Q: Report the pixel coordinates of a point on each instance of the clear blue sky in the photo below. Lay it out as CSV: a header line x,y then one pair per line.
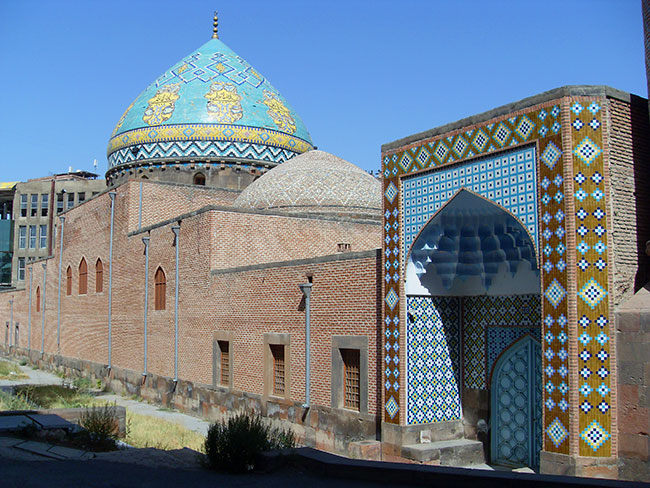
x,y
360,73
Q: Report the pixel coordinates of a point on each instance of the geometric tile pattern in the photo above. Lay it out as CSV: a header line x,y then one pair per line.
x,y
433,371
490,325
203,149
540,124
500,338
555,365
508,179
593,335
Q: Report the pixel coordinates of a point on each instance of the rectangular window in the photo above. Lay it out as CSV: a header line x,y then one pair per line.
x,y
224,349
351,378
32,237
59,202
34,205
43,243
22,237
21,269
23,205
45,203
277,351
70,200
81,197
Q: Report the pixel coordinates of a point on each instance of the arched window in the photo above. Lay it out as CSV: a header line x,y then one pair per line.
x,y
68,281
99,276
160,289
83,277
38,298
199,179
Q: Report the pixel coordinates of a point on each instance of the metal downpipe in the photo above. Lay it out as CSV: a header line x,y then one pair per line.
x,y
43,309
306,291
176,230
111,194
58,313
29,312
145,241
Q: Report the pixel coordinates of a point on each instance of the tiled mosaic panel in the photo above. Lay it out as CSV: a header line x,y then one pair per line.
x,y
482,312
553,247
433,371
540,124
508,179
391,273
592,279
499,338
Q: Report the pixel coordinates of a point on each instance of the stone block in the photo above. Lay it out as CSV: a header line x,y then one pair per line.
x,y
634,446
628,321
644,320
369,450
630,372
634,469
635,420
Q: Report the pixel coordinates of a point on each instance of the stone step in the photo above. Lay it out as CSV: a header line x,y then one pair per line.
x,y
455,452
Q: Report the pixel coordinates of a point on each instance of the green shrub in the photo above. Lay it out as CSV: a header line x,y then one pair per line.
x,y
101,423
233,445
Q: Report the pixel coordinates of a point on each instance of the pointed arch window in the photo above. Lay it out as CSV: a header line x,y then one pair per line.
x,y
38,298
68,281
99,276
160,281
83,277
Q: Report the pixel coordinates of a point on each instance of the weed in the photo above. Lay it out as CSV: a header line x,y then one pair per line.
x,y
15,402
234,445
10,371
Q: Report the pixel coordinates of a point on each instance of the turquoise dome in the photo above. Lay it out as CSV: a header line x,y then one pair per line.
x,y
211,105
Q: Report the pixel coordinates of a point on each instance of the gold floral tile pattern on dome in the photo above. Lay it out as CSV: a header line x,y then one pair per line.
x,y
592,274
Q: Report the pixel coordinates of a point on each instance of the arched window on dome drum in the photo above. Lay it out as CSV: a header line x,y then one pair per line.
x,y
68,281
83,277
99,276
160,283
38,298
199,179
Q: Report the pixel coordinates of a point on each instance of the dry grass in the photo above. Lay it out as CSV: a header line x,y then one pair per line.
x,y
11,371
145,431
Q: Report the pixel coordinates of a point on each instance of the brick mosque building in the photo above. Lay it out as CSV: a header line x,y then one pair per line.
x,y
483,301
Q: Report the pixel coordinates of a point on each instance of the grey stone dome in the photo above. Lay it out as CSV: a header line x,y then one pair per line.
x,y
315,182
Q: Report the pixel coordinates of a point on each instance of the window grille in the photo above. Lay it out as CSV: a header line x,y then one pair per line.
x,y
44,204
99,276
160,289
277,350
351,378
83,277
32,237
224,347
43,243
34,205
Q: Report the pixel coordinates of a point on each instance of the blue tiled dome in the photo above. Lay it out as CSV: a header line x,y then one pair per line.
x,y
210,105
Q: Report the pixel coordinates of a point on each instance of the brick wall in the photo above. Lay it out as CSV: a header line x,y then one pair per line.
x,y
629,156
345,299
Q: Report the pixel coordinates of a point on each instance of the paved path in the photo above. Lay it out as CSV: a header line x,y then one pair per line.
x,y
36,376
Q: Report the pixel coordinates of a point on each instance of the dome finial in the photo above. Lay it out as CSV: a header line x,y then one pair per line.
x,y
215,26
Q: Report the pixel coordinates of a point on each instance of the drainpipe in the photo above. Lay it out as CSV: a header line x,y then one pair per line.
x,y
11,322
145,241
176,230
29,313
305,288
111,194
58,313
43,309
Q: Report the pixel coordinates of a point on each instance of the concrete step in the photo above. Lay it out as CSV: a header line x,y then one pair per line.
x,y
455,452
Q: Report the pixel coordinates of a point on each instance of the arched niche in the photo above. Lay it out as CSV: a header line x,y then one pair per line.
x,y
472,246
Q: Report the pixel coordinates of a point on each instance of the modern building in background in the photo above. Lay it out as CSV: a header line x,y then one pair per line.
x,y
6,231
36,204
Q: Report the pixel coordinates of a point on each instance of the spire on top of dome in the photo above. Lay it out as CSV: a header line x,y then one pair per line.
x,y
215,26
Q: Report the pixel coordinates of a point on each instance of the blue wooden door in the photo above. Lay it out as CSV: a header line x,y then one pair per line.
x,y
516,417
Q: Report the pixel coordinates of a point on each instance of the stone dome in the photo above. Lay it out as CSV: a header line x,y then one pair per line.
x,y
315,182
210,106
